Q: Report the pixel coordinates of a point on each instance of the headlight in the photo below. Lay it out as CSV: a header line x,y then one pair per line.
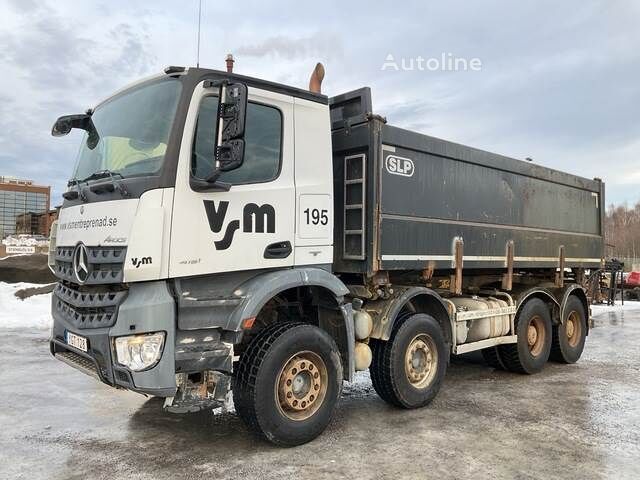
x,y
139,352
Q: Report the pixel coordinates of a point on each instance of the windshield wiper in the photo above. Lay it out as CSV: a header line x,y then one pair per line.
x,y
73,194
101,174
114,185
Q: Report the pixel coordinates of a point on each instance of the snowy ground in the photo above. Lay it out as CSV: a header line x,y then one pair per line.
x,y
16,255
34,311
628,305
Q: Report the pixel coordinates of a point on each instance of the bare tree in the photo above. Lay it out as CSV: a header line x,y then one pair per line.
x,y
622,231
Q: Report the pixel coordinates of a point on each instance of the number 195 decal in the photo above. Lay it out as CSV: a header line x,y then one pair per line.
x,y
314,216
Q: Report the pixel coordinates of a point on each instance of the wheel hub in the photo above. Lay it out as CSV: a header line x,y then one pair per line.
x,y
573,329
302,385
570,328
536,336
420,361
532,335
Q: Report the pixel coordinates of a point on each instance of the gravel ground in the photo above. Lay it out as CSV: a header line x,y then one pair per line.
x,y
577,421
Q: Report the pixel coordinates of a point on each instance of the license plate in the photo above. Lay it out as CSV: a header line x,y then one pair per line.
x,y
77,341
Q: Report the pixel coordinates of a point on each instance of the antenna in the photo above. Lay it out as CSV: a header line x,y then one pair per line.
x,y
199,19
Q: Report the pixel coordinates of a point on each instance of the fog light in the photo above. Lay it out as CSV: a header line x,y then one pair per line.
x,y
139,352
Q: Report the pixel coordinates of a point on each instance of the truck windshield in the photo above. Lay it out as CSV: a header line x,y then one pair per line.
x,y
133,129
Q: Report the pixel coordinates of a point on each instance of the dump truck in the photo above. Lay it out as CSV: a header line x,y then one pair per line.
x,y
226,237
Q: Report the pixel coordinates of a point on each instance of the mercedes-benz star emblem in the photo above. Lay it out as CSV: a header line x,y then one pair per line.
x,y
81,263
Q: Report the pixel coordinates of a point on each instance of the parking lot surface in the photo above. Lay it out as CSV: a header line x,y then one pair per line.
x,y
570,421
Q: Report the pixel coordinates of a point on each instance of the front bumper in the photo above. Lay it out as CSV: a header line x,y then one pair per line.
x,y
148,307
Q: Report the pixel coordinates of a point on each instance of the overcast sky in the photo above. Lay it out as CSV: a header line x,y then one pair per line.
x,y
559,81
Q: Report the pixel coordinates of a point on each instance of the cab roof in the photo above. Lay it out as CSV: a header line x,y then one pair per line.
x,y
202,73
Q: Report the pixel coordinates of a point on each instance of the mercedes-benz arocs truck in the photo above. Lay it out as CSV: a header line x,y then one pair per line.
x,y
225,235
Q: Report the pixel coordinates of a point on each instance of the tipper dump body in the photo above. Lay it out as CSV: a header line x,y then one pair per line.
x,y
404,200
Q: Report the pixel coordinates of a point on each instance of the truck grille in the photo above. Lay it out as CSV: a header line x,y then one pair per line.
x,y
105,264
89,307
94,304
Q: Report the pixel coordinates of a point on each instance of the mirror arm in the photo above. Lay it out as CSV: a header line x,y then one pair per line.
x,y
214,83
200,185
213,178
221,109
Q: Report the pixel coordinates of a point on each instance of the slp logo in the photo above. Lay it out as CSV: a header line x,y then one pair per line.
x,y
255,218
399,166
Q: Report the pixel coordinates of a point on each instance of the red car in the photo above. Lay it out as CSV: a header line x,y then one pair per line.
x,y
632,280
632,286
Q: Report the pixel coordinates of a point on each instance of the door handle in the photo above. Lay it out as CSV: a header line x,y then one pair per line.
x,y
278,250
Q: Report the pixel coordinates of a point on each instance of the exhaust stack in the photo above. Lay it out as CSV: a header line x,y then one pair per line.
x,y
229,61
315,82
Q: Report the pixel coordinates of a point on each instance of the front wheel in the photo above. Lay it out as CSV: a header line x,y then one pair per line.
x,y
288,382
407,370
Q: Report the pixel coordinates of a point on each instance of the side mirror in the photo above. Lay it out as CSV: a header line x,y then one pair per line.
x,y
64,124
232,113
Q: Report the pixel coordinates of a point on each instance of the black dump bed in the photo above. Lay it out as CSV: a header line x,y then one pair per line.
x,y
404,200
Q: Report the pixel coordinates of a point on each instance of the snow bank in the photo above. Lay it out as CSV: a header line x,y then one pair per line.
x,y
16,255
618,307
32,312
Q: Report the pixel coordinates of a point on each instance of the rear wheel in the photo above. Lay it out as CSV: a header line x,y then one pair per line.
x,y
287,383
407,370
569,337
533,328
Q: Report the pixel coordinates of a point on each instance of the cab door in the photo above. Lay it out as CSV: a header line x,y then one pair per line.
x,y
251,226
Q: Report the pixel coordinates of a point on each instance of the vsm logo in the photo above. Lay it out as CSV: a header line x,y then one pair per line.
x,y
399,166
141,261
258,219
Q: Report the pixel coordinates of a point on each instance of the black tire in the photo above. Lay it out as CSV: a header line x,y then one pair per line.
x,y
569,337
389,374
260,373
491,355
521,357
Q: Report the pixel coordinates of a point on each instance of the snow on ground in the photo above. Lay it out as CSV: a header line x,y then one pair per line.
x,y
603,308
31,312
16,255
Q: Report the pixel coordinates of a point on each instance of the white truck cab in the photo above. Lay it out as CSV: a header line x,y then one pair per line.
x,y
148,202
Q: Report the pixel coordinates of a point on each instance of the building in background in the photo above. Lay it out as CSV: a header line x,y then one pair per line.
x,y
47,220
31,223
21,205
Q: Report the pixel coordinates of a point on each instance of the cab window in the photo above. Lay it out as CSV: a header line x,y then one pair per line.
x,y
263,141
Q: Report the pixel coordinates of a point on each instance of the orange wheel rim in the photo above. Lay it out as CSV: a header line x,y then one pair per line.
x,y
573,329
536,335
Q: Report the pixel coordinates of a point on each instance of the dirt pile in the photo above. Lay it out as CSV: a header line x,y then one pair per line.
x,y
31,291
26,268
